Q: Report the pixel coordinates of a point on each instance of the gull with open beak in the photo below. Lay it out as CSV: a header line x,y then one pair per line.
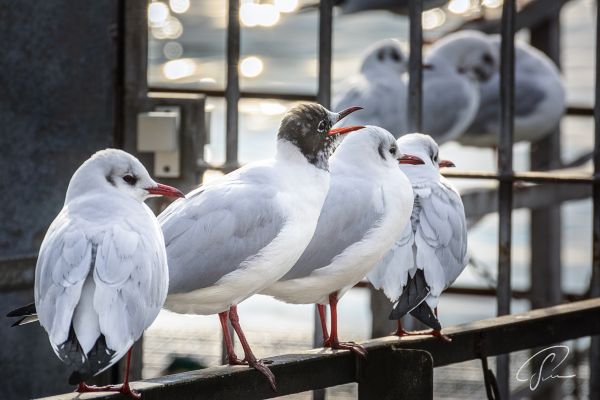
x,y
431,252
239,234
101,275
369,203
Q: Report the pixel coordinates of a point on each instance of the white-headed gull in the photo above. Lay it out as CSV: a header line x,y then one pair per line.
x,y
379,87
101,275
454,68
431,252
369,202
237,235
539,100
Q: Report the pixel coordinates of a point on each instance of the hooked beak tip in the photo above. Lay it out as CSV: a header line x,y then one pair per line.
x,y
446,164
409,159
165,190
344,113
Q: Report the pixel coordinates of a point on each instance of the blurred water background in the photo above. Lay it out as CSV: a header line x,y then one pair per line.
x,y
279,49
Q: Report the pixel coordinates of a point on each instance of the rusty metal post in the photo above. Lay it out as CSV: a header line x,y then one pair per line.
x,y
415,67
505,170
232,91
395,375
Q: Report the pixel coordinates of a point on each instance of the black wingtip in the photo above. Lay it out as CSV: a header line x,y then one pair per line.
x,y
424,314
24,311
413,294
18,322
77,377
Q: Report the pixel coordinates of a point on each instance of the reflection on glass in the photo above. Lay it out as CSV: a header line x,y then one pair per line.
x,y
433,18
177,69
179,6
158,12
251,67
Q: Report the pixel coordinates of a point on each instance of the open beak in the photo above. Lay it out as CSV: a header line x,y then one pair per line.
x,y
410,159
164,190
344,113
446,164
345,129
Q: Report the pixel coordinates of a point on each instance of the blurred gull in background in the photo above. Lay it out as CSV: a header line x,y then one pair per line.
x,y
539,100
379,88
454,68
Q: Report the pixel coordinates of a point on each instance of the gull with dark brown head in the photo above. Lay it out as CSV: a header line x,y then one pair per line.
x,y
237,235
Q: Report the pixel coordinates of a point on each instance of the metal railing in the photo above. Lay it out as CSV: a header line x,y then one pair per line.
x,y
394,369
532,13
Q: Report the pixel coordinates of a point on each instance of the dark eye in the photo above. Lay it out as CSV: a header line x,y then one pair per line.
x,y
321,127
393,150
488,59
435,158
130,179
395,56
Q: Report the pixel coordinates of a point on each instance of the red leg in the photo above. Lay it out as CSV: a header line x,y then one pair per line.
x,y
123,388
248,355
232,358
323,318
400,332
438,334
333,341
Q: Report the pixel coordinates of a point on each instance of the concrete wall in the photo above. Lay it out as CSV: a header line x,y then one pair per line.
x,y
60,96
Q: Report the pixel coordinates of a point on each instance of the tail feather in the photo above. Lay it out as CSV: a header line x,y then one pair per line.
x,y
25,320
27,310
424,314
414,294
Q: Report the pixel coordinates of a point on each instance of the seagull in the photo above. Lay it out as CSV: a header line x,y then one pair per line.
x,y
431,251
539,100
369,202
101,275
235,236
454,68
379,87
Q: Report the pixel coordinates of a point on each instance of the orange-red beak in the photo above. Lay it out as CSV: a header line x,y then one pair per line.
x,y
345,129
446,164
164,190
410,160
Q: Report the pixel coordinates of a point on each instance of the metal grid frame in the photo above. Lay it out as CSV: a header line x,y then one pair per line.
x,y
505,175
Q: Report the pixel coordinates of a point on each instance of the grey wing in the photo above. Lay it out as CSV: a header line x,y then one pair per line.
x,y
342,223
131,279
63,264
209,235
383,103
441,237
391,274
445,107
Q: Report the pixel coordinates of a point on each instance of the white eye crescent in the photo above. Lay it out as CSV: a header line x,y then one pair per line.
x,y
321,126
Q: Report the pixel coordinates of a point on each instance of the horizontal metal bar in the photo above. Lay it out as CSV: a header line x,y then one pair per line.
x,y
320,368
244,94
533,177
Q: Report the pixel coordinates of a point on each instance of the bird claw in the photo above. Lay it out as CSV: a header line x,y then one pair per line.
x,y
352,346
440,335
434,333
236,361
260,366
123,389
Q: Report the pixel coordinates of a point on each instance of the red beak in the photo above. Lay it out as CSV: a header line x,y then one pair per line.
x,y
446,164
165,190
348,111
345,129
410,159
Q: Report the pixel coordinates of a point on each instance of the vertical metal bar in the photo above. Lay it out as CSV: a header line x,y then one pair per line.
x,y
505,169
595,281
232,91
324,98
415,68
325,51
